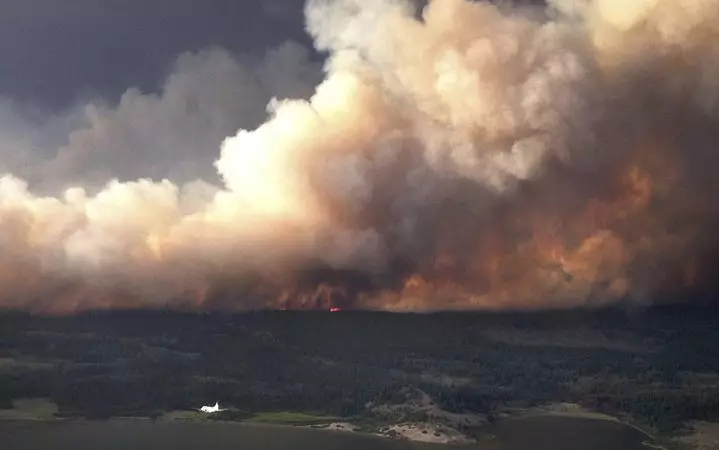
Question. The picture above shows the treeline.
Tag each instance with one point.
(146, 363)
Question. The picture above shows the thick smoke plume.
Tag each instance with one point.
(465, 156)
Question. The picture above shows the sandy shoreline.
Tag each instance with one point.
(425, 432)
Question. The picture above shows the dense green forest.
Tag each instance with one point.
(660, 366)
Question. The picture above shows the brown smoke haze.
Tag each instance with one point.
(465, 156)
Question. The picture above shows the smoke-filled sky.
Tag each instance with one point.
(445, 155)
(54, 51)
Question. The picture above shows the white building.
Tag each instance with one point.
(211, 409)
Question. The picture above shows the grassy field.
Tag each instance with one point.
(13, 364)
(570, 410)
(184, 415)
(291, 418)
(278, 417)
(30, 409)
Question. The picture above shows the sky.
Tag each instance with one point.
(56, 51)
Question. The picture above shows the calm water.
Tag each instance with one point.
(537, 433)
(142, 435)
(566, 433)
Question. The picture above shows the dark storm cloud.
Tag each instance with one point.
(98, 90)
(52, 51)
(174, 133)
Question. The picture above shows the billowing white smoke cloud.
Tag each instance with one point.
(476, 157)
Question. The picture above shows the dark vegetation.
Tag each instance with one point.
(661, 366)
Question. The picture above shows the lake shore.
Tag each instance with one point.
(526, 433)
(41, 410)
